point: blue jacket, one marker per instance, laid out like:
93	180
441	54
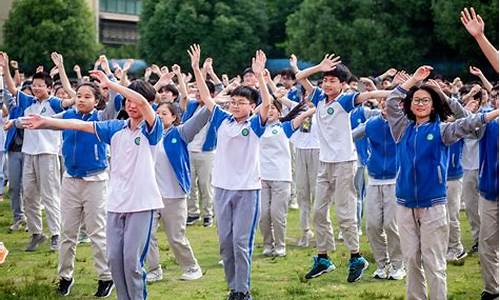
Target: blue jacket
358	117
382	160
488	162
178	155
84	155
422	163
455	170
211	138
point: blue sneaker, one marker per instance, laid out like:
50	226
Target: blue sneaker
356	267
320	267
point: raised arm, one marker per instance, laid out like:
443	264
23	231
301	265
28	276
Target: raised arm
209	68
195	53
78	72
297	122
126	67
183	91
4	63
17	75
475	26
329	62
41	122
258	67
57	59
130	95
372	95
477	72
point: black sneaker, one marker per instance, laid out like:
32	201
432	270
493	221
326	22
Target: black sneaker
242	296
487	296
475	248
231	295
64	287
208	222
192	220
104	288
54	243
36	240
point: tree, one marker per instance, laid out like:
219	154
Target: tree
370	36
228	31
36	28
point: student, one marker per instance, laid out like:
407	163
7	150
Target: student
201	158
41	184
237	185
134	194
276	168
172	175
358	116
422	142
381	227
488	205
337	165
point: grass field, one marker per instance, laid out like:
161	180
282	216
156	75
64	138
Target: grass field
34	275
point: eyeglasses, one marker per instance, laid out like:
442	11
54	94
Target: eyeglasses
421	101
236	103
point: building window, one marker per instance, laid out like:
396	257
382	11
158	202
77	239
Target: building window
129	7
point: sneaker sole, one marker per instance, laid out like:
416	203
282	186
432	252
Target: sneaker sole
108	294
328	270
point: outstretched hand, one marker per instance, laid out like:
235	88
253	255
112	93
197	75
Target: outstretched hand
57	59
33	121
472	22
103	79
259	62
422	73
195	54
329	62
475	71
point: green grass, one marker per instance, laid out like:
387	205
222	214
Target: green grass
34	275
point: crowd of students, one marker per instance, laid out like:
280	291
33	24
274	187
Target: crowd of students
166	149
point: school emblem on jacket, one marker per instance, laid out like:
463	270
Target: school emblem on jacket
245	132
430	137
43	110
173	141
359	121
137	140
275	131
330	110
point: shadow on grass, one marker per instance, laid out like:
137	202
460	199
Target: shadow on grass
27	290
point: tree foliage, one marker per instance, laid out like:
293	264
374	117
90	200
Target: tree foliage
36	28
373	35
229	31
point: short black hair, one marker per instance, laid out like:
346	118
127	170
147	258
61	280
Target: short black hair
99	98
144	88
439	104
247	70
26	85
353	78
210	86
248	92
341	71
170	88
288	73
43	76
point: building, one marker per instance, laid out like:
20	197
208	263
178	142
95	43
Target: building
116	20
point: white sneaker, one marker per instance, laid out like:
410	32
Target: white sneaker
396	274
267	251
192	274
280	252
221	262
293	206
340	237
155	275
360	232
305	239
380	273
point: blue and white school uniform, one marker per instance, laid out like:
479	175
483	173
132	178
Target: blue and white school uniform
488	207
423	151
236	178
381	227
173	177
201	155
41	176
276	175
133	198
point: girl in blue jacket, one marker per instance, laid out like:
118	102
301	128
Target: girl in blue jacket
173	177
422	142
